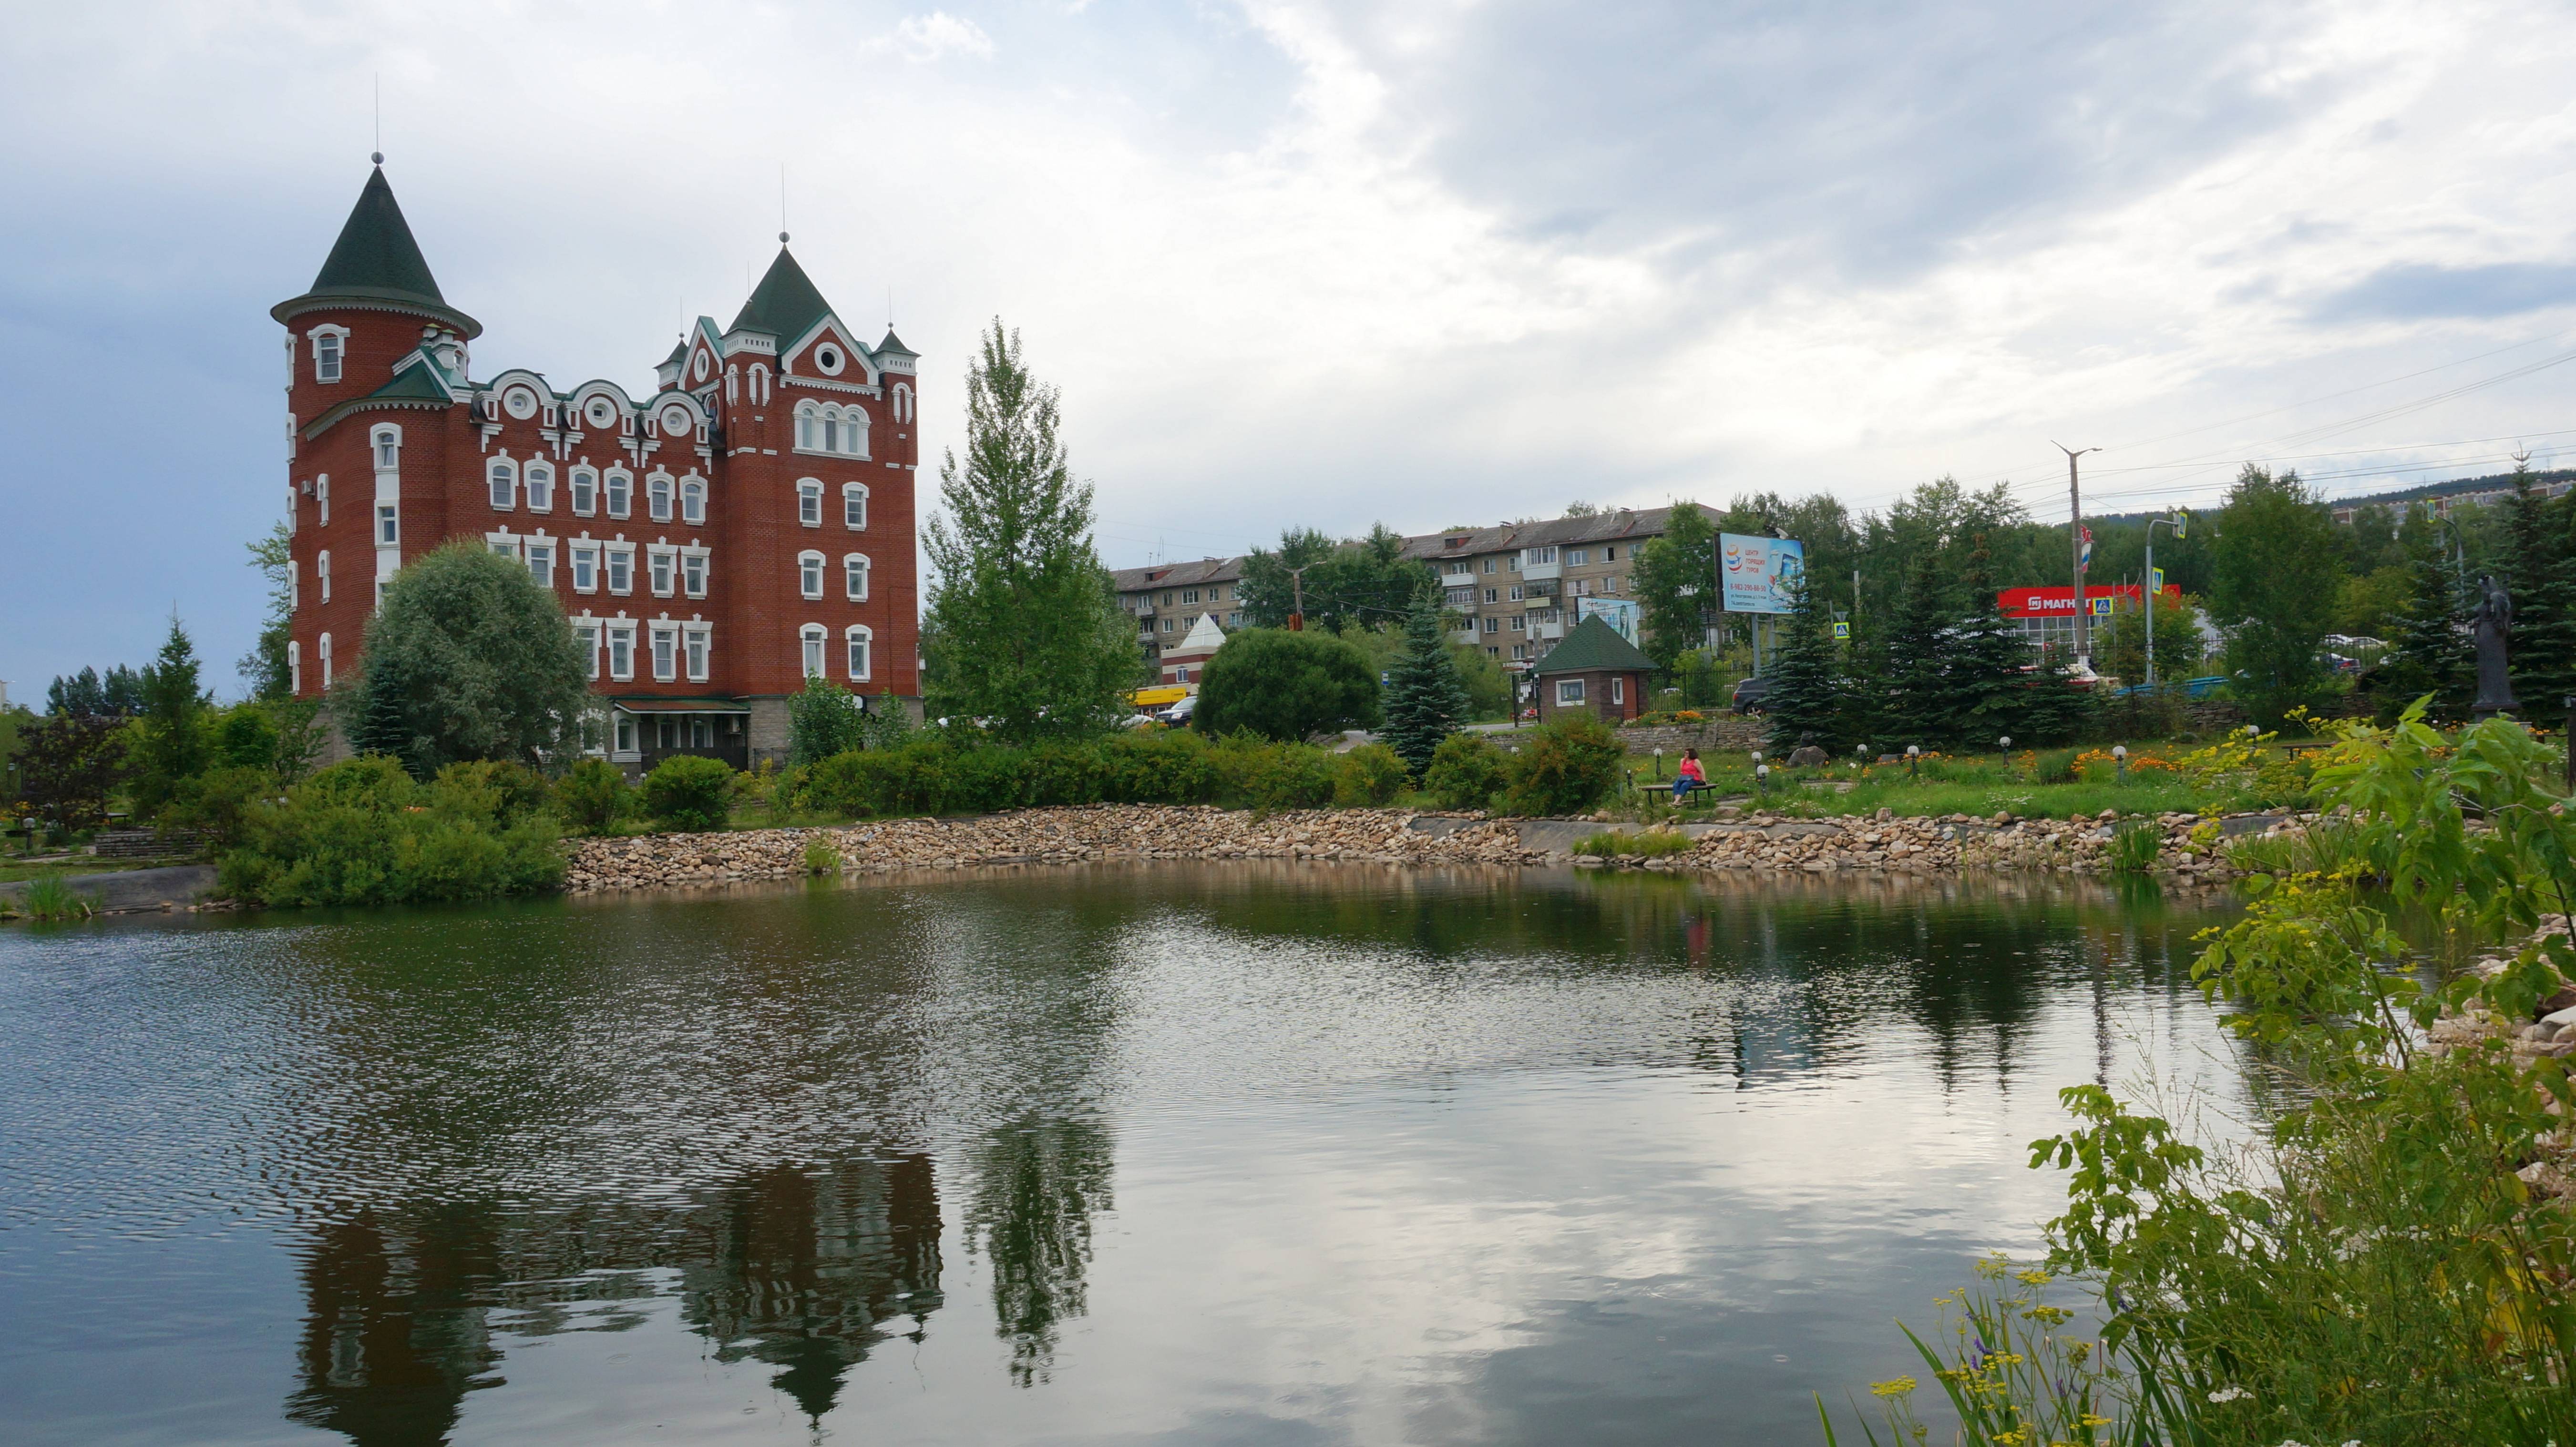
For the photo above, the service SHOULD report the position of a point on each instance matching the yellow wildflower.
(1896, 1388)
(2033, 1278)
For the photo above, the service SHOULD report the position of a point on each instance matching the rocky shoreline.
(1756, 841)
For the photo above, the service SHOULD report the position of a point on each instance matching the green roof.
(376, 260)
(419, 381)
(894, 344)
(1594, 645)
(785, 304)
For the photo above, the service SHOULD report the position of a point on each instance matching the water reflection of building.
(810, 1270)
(803, 1268)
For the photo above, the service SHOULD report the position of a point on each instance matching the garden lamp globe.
(2006, 741)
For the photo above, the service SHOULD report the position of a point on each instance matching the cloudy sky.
(1315, 263)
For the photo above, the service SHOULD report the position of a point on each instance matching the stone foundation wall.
(1728, 734)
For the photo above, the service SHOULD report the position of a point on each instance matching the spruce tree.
(1025, 630)
(1806, 680)
(1919, 708)
(1426, 700)
(2431, 653)
(2537, 568)
(2058, 710)
(1990, 680)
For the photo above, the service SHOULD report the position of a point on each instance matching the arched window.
(618, 484)
(326, 356)
(831, 429)
(809, 574)
(294, 666)
(693, 501)
(854, 576)
(812, 636)
(805, 426)
(902, 402)
(657, 498)
(585, 491)
(322, 572)
(322, 497)
(854, 433)
(854, 506)
(541, 487)
(809, 502)
(504, 477)
(322, 648)
(388, 448)
(859, 639)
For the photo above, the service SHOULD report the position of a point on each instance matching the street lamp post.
(2180, 522)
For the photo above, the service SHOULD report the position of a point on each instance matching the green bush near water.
(939, 775)
(1465, 771)
(1368, 777)
(593, 795)
(363, 832)
(1564, 768)
(688, 792)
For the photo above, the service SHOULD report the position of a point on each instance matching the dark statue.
(2489, 624)
(1807, 755)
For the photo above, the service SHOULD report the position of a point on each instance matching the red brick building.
(747, 522)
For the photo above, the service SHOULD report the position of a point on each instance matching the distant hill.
(2453, 487)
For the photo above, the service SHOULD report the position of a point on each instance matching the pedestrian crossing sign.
(2101, 606)
(1842, 630)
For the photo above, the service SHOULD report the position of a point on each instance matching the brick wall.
(1716, 735)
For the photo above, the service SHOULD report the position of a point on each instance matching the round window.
(702, 366)
(520, 402)
(828, 357)
(675, 422)
(601, 412)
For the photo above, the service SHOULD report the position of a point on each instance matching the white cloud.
(929, 37)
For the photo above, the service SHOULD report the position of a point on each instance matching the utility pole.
(2075, 541)
(1297, 609)
(2180, 522)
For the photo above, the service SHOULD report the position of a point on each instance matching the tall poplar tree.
(1025, 630)
(1675, 583)
(2279, 571)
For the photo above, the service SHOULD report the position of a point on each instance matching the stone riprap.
(1388, 836)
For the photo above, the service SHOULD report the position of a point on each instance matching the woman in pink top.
(1687, 775)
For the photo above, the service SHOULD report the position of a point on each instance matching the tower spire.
(377, 264)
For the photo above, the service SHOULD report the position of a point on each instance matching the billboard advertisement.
(1754, 574)
(2100, 599)
(1623, 614)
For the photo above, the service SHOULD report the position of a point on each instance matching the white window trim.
(620, 630)
(574, 481)
(861, 634)
(617, 492)
(854, 492)
(703, 635)
(662, 569)
(383, 440)
(864, 568)
(339, 354)
(659, 636)
(493, 473)
(610, 555)
(322, 499)
(661, 496)
(812, 640)
(323, 648)
(322, 572)
(693, 489)
(388, 513)
(575, 554)
(587, 629)
(1569, 692)
(809, 574)
(528, 488)
(705, 559)
(809, 502)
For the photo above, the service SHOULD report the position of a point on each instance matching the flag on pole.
(2088, 546)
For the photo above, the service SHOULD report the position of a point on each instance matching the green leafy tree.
(2279, 571)
(1361, 583)
(264, 669)
(1806, 699)
(1426, 701)
(689, 792)
(1465, 771)
(1286, 686)
(468, 659)
(68, 763)
(1568, 766)
(823, 720)
(1024, 621)
(1675, 583)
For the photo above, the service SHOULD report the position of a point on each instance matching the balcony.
(1548, 631)
(1541, 572)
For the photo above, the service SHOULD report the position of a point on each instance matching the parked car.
(1179, 713)
(1751, 694)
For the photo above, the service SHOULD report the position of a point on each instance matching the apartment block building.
(1168, 599)
(1516, 588)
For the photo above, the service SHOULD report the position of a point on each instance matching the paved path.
(135, 888)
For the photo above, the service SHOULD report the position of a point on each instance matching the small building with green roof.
(1595, 672)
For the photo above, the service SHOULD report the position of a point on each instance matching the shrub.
(216, 800)
(1465, 771)
(2135, 845)
(823, 720)
(1286, 686)
(1568, 766)
(1369, 775)
(1256, 775)
(689, 792)
(1646, 844)
(52, 899)
(362, 832)
(934, 775)
(2057, 766)
(594, 796)
(822, 856)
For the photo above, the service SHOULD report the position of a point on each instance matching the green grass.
(1646, 844)
(1975, 785)
(14, 870)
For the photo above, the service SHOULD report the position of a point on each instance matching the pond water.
(1224, 1154)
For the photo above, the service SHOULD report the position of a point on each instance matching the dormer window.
(326, 356)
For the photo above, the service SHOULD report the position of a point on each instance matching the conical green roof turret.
(785, 304)
(377, 263)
